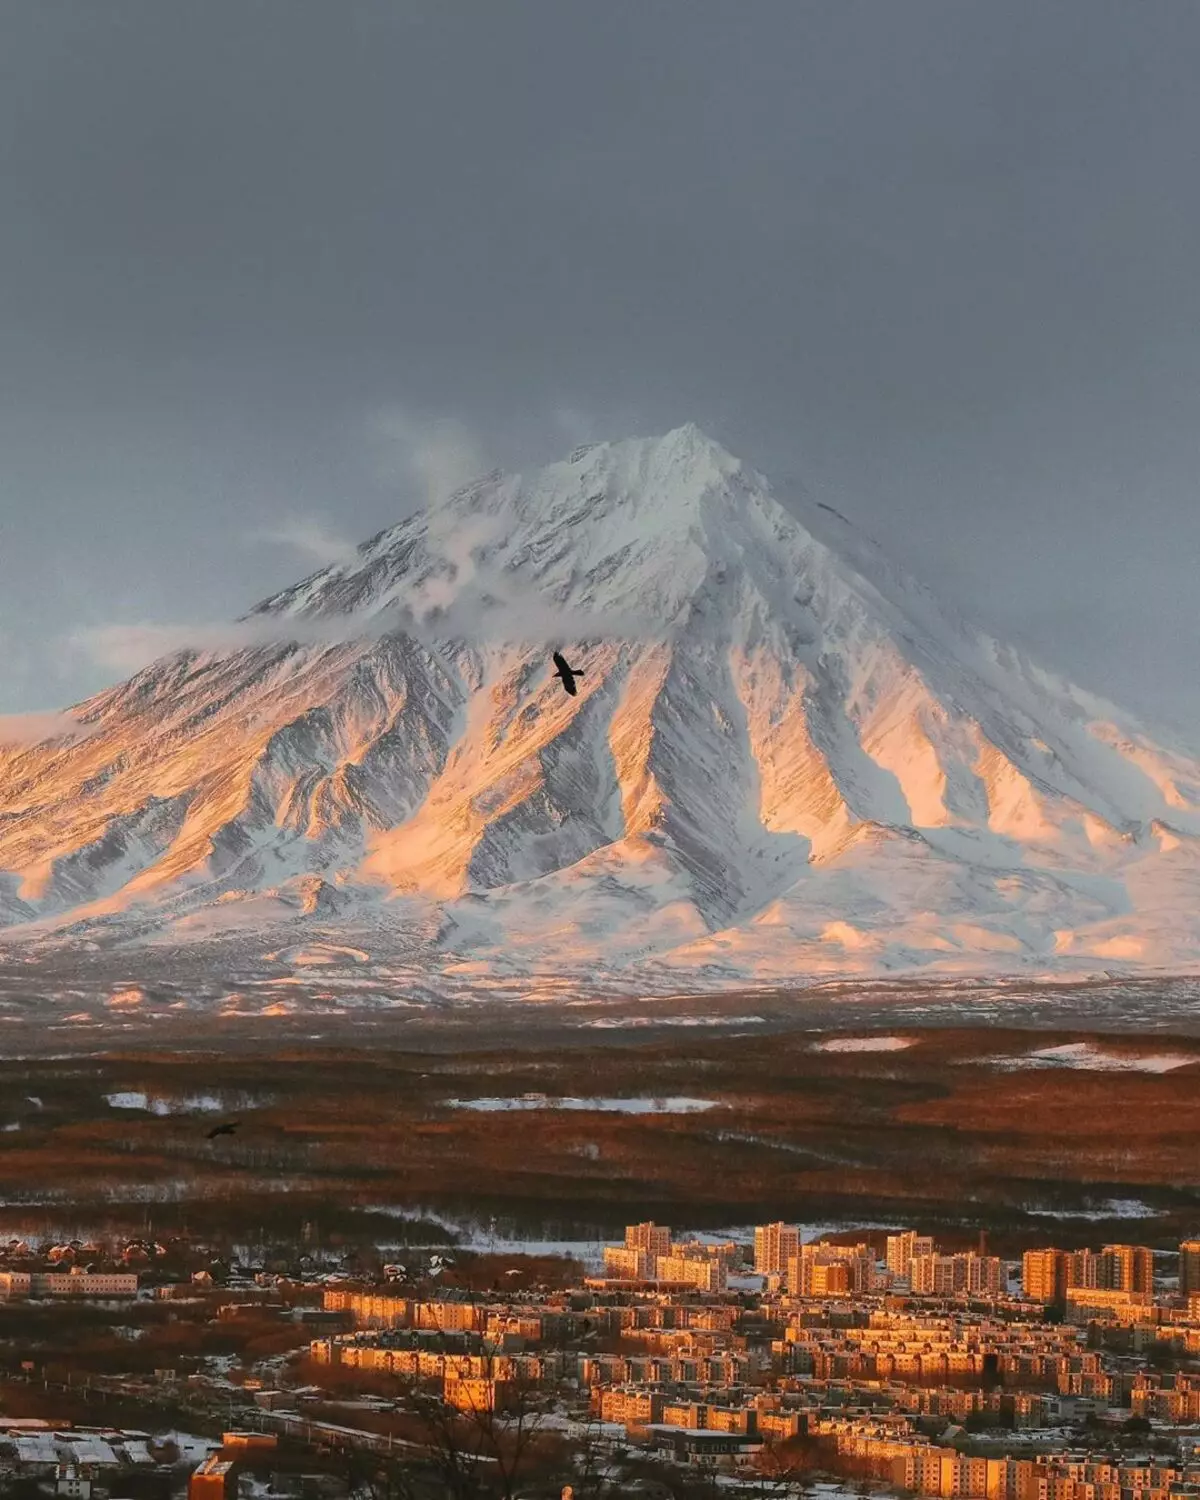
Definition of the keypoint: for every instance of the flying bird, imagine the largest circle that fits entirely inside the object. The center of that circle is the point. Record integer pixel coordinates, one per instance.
(227, 1128)
(566, 674)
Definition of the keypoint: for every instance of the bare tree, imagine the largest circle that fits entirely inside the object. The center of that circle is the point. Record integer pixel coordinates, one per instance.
(491, 1440)
(371, 1476)
(783, 1469)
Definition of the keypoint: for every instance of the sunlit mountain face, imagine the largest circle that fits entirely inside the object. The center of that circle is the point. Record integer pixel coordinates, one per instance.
(785, 761)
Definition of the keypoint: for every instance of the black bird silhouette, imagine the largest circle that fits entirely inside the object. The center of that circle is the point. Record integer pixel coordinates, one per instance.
(565, 673)
(226, 1129)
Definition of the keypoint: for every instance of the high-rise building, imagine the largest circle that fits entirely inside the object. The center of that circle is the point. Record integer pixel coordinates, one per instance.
(1127, 1268)
(1189, 1268)
(1083, 1269)
(1044, 1275)
(650, 1238)
(774, 1246)
(807, 1276)
(949, 1275)
(932, 1275)
(1116, 1268)
(901, 1248)
(624, 1264)
(985, 1275)
(830, 1279)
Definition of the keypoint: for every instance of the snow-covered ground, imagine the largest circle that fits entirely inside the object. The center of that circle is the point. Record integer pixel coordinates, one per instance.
(1089, 1056)
(864, 1044)
(621, 1023)
(673, 1105)
(467, 1233)
(1110, 1208)
(161, 1104)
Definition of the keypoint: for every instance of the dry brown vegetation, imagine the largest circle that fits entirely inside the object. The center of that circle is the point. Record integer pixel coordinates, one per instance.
(935, 1134)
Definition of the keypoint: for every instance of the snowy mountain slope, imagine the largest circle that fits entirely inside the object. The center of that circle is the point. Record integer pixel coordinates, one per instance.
(785, 759)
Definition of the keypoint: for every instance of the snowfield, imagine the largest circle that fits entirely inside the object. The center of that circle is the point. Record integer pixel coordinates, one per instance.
(158, 1104)
(864, 1044)
(1088, 1055)
(671, 1106)
(786, 763)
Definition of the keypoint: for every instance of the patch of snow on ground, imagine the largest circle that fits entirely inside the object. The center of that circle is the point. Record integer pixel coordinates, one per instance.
(129, 1099)
(188, 1104)
(673, 1105)
(1088, 1055)
(1110, 1208)
(615, 1023)
(467, 1234)
(864, 1044)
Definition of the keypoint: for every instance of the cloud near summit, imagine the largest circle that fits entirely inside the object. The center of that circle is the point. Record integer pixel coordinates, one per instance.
(20, 731)
(309, 538)
(472, 616)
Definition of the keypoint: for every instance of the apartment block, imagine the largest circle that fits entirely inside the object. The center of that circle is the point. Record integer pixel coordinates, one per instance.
(774, 1246)
(650, 1238)
(1127, 1268)
(824, 1270)
(901, 1249)
(1044, 1275)
(828, 1279)
(1083, 1269)
(949, 1275)
(479, 1394)
(626, 1264)
(1189, 1268)
(708, 1273)
(622, 1404)
(73, 1283)
(1084, 1303)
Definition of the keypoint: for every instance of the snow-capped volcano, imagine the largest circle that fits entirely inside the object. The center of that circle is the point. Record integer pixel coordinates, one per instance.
(785, 760)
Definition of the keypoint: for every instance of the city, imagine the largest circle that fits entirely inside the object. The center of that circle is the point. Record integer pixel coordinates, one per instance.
(770, 1364)
(599, 750)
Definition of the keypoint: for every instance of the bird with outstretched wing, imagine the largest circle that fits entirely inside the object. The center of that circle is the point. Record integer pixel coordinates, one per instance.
(566, 674)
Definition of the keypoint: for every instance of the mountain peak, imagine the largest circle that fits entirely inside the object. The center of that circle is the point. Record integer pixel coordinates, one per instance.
(685, 450)
(691, 443)
(784, 760)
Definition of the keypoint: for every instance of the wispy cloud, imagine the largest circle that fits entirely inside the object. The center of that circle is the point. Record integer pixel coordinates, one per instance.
(310, 538)
(457, 592)
(19, 731)
(470, 615)
(575, 425)
(434, 455)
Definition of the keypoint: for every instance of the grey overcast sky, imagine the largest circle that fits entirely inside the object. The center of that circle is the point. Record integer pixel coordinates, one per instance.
(268, 268)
